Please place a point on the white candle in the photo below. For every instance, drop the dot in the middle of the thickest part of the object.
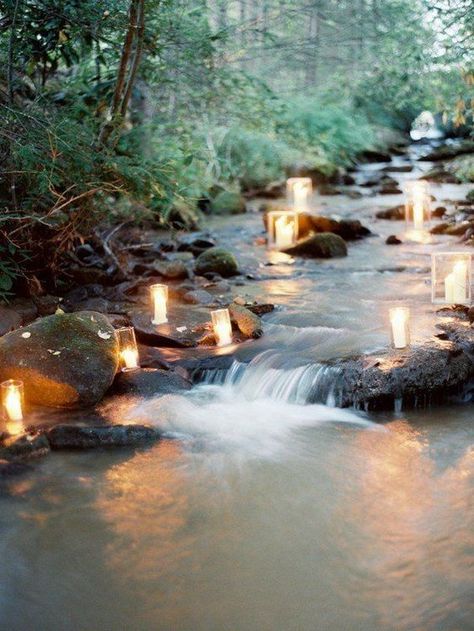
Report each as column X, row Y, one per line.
column 418, row 213
column 449, row 288
column 222, row 326
column 129, row 358
column 284, row 232
column 160, row 298
column 459, row 282
column 13, row 405
column 128, row 348
column 400, row 329
column 300, row 196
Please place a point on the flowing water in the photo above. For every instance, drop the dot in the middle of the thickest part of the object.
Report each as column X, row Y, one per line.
column 263, row 510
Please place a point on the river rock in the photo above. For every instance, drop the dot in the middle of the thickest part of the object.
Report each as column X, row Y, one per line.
column 24, row 446
column 176, row 333
column 445, row 152
column 198, row 297
column 149, row 382
column 395, row 213
column 247, row 322
column 174, row 270
column 228, row 203
column 9, row 320
column 441, row 175
column 64, row 360
column 101, row 436
column 348, row 229
column 196, row 246
column 375, row 155
column 439, row 228
column 393, row 240
column 402, row 168
column 217, row 260
column 415, row 375
column 323, row 245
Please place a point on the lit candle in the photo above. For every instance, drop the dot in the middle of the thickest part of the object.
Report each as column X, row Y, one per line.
column 222, row 326
column 399, row 319
column 128, row 348
column 455, row 285
column 284, row 232
column 130, row 358
column 298, row 191
column 449, row 288
column 12, row 405
column 418, row 213
column 160, row 298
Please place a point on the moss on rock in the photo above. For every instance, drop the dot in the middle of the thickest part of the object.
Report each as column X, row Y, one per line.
column 324, row 245
column 217, row 261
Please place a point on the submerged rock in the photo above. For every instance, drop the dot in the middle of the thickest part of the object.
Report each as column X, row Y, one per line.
column 64, row 360
column 247, row 322
column 149, row 382
column 9, row 468
column 324, row 245
column 101, row 436
column 217, row 260
column 24, row 446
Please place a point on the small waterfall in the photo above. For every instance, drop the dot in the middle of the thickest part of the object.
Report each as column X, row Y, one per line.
column 277, row 376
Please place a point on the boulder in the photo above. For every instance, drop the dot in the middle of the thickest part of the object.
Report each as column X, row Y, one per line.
column 395, row 213
column 149, row 382
column 217, row 260
column 247, row 322
column 415, row 375
column 324, row 245
column 174, row 270
column 101, row 436
column 228, row 203
column 9, row 320
column 441, row 175
column 24, row 446
column 445, row 152
column 198, row 297
column 64, row 360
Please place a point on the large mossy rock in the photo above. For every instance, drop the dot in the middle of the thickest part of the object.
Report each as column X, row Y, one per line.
column 324, row 245
column 64, row 360
column 217, row 261
column 228, row 203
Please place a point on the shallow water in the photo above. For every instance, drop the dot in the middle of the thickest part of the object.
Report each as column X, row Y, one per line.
column 261, row 511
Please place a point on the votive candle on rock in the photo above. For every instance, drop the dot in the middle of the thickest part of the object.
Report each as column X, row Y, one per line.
column 128, row 348
column 451, row 278
column 12, row 405
column 400, row 327
column 222, row 326
column 159, row 295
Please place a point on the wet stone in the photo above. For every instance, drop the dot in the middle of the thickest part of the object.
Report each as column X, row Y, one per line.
column 24, row 446
column 149, row 382
column 100, row 437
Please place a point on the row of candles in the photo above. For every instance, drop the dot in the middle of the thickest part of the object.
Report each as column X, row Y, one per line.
column 12, row 390
column 451, row 284
column 450, row 271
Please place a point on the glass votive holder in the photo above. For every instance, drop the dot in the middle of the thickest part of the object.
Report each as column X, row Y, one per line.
column 12, row 399
column 282, row 229
column 451, row 278
column 298, row 192
column 417, row 204
column 159, row 297
column 400, row 327
column 222, row 326
column 128, row 348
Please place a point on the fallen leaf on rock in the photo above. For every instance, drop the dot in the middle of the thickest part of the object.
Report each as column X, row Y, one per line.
column 104, row 335
column 181, row 328
column 26, row 335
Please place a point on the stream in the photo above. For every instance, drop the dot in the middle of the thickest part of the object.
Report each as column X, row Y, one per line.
column 266, row 508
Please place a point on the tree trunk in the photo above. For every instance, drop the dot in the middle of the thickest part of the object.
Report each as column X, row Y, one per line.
column 127, row 72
